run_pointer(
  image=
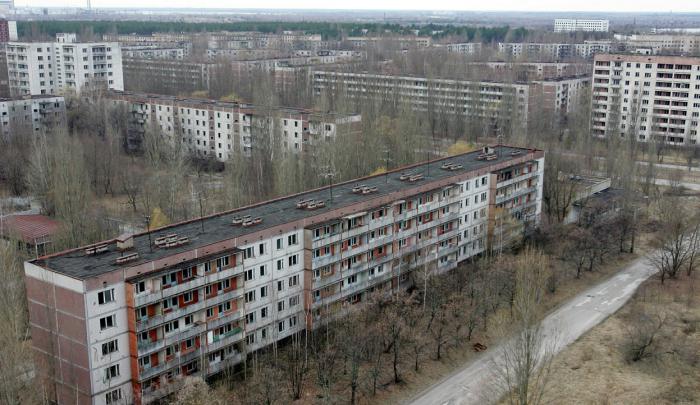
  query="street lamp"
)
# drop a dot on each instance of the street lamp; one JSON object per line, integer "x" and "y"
{"x": 329, "y": 173}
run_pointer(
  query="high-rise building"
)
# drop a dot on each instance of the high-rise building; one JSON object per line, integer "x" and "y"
{"x": 63, "y": 66}
{"x": 126, "y": 319}
{"x": 648, "y": 97}
{"x": 586, "y": 25}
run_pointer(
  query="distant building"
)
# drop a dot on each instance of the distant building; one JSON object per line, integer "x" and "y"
{"x": 154, "y": 52}
{"x": 653, "y": 98}
{"x": 63, "y": 66}
{"x": 528, "y": 71}
{"x": 507, "y": 104}
{"x": 467, "y": 48}
{"x": 553, "y": 51}
{"x": 403, "y": 42}
{"x": 31, "y": 233}
{"x": 660, "y": 44}
{"x": 8, "y": 31}
{"x": 594, "y": 197}
{"x": 32, "y": 114}
{"x": 573, "y": 25}
{"x": 216, "y": 129}
{"x": 166, "y": 76}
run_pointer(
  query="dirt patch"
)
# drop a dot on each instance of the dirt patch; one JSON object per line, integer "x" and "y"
{"x": 595, "y": 370}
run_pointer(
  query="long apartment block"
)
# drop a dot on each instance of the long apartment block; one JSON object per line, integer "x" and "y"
{"x": 66, "y": 65}
{"x": 510, "y": 102}
{"x": 650, "y": 97}
{"x": 126, "y": 319}
{"x": 217, "y": 129}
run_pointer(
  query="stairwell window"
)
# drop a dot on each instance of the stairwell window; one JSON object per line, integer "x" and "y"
{"x": 112, "y": 372}
{"x": 107, "y": 322}
{"x": 110, "y": 347}
{"x": 105, "y": 297}
{"x": 113, "y": 397}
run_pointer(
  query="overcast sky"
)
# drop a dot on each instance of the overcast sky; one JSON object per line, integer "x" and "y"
{"x": 495, "y": 5}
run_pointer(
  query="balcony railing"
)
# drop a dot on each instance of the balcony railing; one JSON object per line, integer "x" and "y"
{"x": 181, "y": 312}
{"x": 196, "y": 282}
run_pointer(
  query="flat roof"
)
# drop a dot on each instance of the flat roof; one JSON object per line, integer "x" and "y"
{"x": 75, "y": 263}
{"x": 219, "y": 103}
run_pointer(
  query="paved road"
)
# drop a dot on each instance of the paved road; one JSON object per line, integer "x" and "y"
{"x": 473, "y": 384}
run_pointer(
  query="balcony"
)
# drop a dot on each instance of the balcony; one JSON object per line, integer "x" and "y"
{"x": 230, "y": 360}
{"x": 178, "y": 360}
{"x": 196, "y": 282}
{"x": 506, "y": 183}
{"x": 224, "y": 340}
{"x": 520, "y": 192}
{"x": 176, "y": 313}
{"x": 149, "y": 347}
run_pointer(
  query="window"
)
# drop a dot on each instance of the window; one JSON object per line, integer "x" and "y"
{"x": 261, "y": 249}
{"x": 280, "y": 264}
{"x": 249, "y": 275}
{"x": 280, "y": 326}
{"x": 113, "y": 397}
{"x": 263, "y": 313}
{"x": 111, "y": 372}
{"x": 187, "y": 297}
{"x": 280, "y": 306}
{"x": 110, "y": 347}
{"x": 250, "y": 318}
{"x": 280, "y": 285}
{"x": 292, "y": 239}
{"x": 292, "y": 260}
{"x": 107, "y": 322}
{"x": 140, "y": 287}
{"x": 294, "y": 301}
{"x": 279, "y": 243}
{"x": 189, "y": 319}
{"x": 250, "y": 296}
{"x": 105, "y": 297}
{"x": 262, "y": 271}
{"x": 294, "y": 280}
{"x": 293, "y": 321}
{"x": 172, "y": 326}
{"x": 263, "y": 292}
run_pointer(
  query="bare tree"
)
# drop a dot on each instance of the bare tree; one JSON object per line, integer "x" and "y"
{"x": 523, "y": 367}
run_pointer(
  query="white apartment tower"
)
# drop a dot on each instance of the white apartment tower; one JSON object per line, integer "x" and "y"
{"x": 66, "y": 65}
{"x": 648, "y": 97}
{"x": 573, "y": 25}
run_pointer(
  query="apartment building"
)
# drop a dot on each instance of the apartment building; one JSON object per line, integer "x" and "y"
{"x": 63, "y": 66}
{"x": 553, "y": 51}
{"x": 167, "y": 76}
{"x": 218, "y": 129}
{"x": 126, "y": 319}
{"x": 508, "y": 102}
{"x": 467, "y": 48}
{"x": 403, "y": 42}
{"x": 8, "y": 30}
{"x": 649, "y": 97}
{"x": 32, "y": 114}
{"x": 154, "y": 52}
{"x": 586, "y": 25}
{"x": 661, "y": 44}
{"x": 527, "y": 71}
